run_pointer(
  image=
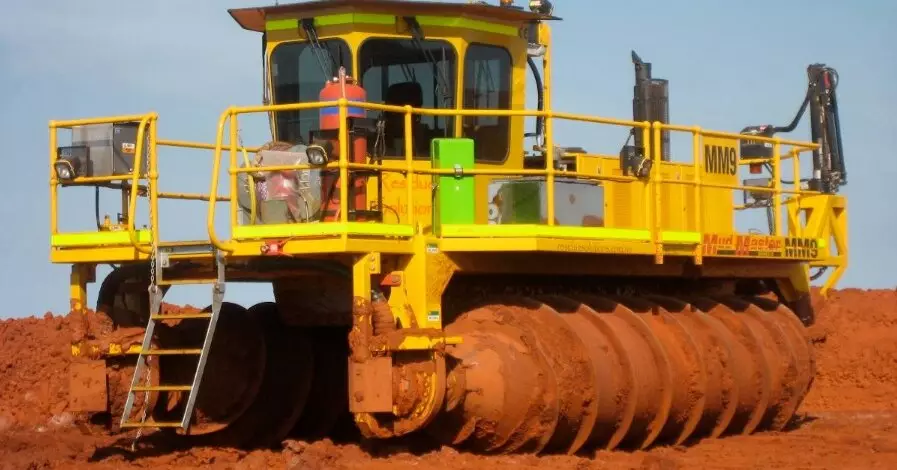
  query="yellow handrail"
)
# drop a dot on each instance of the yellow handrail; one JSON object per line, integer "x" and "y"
{"x": 152, "y": 182}
{"x": 233, "y": 164}
{"x": 65, "y": 124}
{"x": 134, "y": 176}
{"x": 548, "y": 123}
{"x": 409, "y": 166}
{"x": 344, "y": 165}
{"x": 775, "y": 160}
{"x": 777, "y": 187}
{"x": 656, "y": 179}
{"x": 147, "y": 123}
{"x": 696, "y": 165}
{"x": 135, "y": 180}
{"x": 652, "y": 134}
{"x": 216, "y": 168}
{"x": 54, "y": 182}
{"x": 739, "y": 137}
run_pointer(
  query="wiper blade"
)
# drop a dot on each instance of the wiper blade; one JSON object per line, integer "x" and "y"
{"x": 417, "y": 36}
{"x": 322, "y": 54}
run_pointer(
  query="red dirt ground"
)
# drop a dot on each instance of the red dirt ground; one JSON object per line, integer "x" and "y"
{"x": 849, "y": 419}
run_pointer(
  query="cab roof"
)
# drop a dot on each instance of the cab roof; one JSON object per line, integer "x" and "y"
{"x": 253, "y": 18}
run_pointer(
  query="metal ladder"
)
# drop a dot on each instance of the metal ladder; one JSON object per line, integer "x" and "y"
{"x": 155, "y": 294}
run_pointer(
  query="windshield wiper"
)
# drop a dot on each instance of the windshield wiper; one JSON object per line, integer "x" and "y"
{"x": 322, "y": 54}
{"x": 417, "y": 37}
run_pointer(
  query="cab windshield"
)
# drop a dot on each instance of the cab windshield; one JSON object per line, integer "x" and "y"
{"x": 419, "y": 73}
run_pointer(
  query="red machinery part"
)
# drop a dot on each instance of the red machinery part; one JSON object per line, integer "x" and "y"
{"x": 273, "y": 248}
{"x": 343, "y": 86}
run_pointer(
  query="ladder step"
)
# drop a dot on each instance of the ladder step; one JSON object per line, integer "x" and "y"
{"x": 150, "y": 424}
{"x": 155, "y": 314}
{"x": 184, "y": 282}
{"x": 188, "y": 256}
{"x": 189, "y": 249}
{"x": 163, "y": 388}
{"x": 172, "y": 352}
{"x": 181, "y": 316}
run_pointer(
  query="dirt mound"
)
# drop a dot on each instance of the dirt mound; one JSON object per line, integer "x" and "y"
{"x": 856, "y": 351}
{"x": 35, "y": 354}
{"x": 847, "y": 420}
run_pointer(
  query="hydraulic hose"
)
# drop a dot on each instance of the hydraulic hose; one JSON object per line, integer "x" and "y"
{"x": 540, "y": 93}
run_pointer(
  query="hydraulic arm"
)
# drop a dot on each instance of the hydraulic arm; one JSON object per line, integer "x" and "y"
{"x": 829, "y": 170}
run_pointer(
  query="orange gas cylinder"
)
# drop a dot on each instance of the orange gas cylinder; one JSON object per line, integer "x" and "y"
{"x": 344, "y": 86}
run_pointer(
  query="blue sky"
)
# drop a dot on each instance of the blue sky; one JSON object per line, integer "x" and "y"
{"x": 730, "y": 64}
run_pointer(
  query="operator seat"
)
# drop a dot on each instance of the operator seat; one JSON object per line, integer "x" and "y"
{"x": 404, "y": 94}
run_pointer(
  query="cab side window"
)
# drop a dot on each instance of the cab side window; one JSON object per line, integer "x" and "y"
{"x": 487, "y": 85}
{"x": 402, "y": 72}
{"x": 298, "y": 76}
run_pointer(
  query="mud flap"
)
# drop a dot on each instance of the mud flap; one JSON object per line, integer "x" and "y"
{"x": 87, "y": 386}
{"x": 370, "y": 385}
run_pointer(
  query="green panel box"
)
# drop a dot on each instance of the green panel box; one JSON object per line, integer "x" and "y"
{"x": 455, "y": 198}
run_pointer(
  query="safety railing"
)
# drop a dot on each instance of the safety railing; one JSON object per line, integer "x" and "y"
{"x": 652, "y": 133}
{"x": 145, "y": 169}
{"x": 186, "y": 144}
{"x": 777, "y": 190}
{"x": 343, "y": 165}
{"x": 145, "y": 120}
{"x": 147, "y": 155}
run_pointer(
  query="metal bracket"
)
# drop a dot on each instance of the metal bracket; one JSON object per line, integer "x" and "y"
{"x": 416, "y": 31}
{"x": 155, "y": 295}
{"x": 308, "y": 26}
{"x": 634, "y": 163}
{"x": 219, "y": 288}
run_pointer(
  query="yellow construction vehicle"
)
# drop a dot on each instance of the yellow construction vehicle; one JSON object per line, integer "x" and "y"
{"x": 441, "y": 264}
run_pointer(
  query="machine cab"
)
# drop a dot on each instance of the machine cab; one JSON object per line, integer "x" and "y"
{"x": 434, "y": 56}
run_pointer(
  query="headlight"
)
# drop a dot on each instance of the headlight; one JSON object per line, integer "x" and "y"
{"x": 68, "y": 164}
{"x": 317, "y": 155}
{"x": 64, "y": 170}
